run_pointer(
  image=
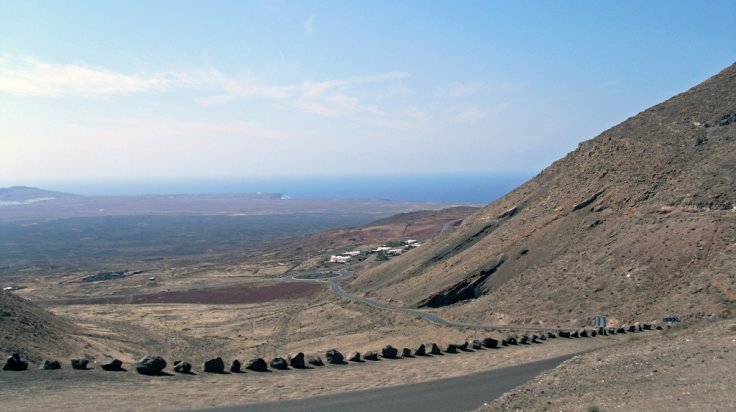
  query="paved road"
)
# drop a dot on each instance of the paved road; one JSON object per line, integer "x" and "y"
{"x": 336, "y": 288}
{"x": 462, "y": 393}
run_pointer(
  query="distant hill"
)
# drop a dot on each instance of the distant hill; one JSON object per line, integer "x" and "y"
{"x": 24, "y": 194}
{"x": 637, "y": 223}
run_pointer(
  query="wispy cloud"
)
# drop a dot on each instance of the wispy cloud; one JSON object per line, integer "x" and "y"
{"x": 474, "y": 114}
{"x": 32, "y": 77}
{"x": 462, "y": 89}
{"x": 309, "y": 24}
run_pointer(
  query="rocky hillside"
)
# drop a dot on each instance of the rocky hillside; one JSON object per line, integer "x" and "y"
{"x": 637, "y": 223}
{"x": 34, "y": 332}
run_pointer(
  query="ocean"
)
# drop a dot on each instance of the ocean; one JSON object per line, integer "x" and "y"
{"x": 464, "y": 188}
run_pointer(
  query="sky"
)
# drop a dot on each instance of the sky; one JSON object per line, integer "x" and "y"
{"x": 160, "y": 89}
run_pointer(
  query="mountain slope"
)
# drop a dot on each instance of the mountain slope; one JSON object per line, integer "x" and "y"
{"x": 635, "y": 223}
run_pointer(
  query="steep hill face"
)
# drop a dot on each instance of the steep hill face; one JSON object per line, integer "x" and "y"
{"x": 637, "y": 223}
{"x": 34, "y": 332}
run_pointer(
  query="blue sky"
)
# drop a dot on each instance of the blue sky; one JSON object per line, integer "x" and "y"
{"x": 158, "y": 89}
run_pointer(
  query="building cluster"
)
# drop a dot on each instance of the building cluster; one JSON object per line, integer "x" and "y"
{"x": 393, "y": 250}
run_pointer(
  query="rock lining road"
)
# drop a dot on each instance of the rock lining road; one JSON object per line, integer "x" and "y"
{"x": 462, "y": 393}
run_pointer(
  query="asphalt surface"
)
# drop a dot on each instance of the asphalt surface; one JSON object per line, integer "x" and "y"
{"x": 463, "y": 393}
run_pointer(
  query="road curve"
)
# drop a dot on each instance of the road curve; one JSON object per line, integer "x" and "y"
{"x": 336, "y": 288}
{"x": 461, "y": 393}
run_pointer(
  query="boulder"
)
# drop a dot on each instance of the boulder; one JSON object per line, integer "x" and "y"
{"x": 315, "y": 361}
{"x": 371, "y": 356}
{"x": 215, "y": 365}
{"x": 524, "y": 340}
{"x": 504, "y": 342}
{"x": 421, "y": 350}
{"x": 602, "y": 331}
{"x": 451, "y": 348}
{"x": 235, "y": 366}
{"x": 406, "y": 353}
{"x": 583, "y": 333}
{"x": 646, "y": 326}
{"x": 593, "y": 333}
{"x": 296, "y": 360}
{"x": 574, "y": 334}
{"x": 542, "y": 337}
{"x": 389, "y": 352}
{"x": 111, "y": 365}
{"x": 182, "y": 367}
{"x": 658, "y": 327}
{"x": 551, "y": 335}
{"x": 611, "y": 331}
{"x": 621, "y": 330}
{"x": 150, "y": 365}
{"x": 334, "y": 357}
{"x": 279, "y": 363}
{"x": 256, "y": 365}
{"x": 535, "y": 339}
{"x": 639, "y": 328}
{"x": 490, "y": 343}
{"x": 476, "y": 344}
{"x": 15, "y": 363}
{"x": 512, "y": 340}
{"x": 80, "y": 363}
{"x": 433, "y": 349}
{"x": 462, "y": 346}
{"x": 564, "y": 334}
{"x": 631, "y": 328}
{"x": 50, "y": 364}
{"x": 354, "y": 357}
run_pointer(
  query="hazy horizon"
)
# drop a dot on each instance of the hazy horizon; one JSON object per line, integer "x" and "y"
{"x": 136, "y": 89}
{"x": 466, "y": 188}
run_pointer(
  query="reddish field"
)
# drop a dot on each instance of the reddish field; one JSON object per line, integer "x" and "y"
{"x": 231, "y": 295}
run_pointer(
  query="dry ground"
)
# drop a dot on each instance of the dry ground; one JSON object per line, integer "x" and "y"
{"x": 94, "y": 389}
{"x": 690, "y": 369}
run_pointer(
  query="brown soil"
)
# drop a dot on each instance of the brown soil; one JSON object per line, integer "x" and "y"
{"x": 636, "y": 224}
{"x": 686, "y": 370}
{"x": 253, "y": 292}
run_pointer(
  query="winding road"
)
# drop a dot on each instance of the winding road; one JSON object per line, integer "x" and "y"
{"x": 335, "y": 283}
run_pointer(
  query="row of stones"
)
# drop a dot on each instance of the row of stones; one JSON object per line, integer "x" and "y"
{"x": 155, "y": 365}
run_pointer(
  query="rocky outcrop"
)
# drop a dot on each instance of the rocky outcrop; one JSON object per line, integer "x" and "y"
{"x": 80, "y": 363}
{"x": 235, "y": 366}
{"x": 256, "y": 365}
{"x": 151, "y": 365}
{"x": 334, "y": 357}
{"x": 279, "y": 363}
{"x": 214, "y": 365}
{"x": 470, "y": 288}
{"x": 15, "y": 363}
{"x": 182, "y": 367}
{"x": 296, "y": 360}
{"x": 389, "y": 352}
{"x": 371, "y": 356}
{"x": 111, "y": 365}
{"x": 50, "y": 364}
{"x": 316, "y": 361}
{"x": 421, "y": 350}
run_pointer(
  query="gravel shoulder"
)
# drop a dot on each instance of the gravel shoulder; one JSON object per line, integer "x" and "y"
{"x": 689, "y": 369}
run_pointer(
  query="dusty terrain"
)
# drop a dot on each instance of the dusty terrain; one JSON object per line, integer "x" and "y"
{"x": 637, "y": 224}
{"x": 689, "y": 369}
{"x": 68, "y": 389}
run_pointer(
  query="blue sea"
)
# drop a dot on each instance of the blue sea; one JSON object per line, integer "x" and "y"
{"x": 465, "y": 188}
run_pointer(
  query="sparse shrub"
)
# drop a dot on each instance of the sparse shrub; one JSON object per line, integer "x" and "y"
{"x": 593, "y": 408}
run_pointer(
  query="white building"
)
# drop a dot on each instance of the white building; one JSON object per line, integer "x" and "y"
{"x": 353, "y": 253}
{"x": 340, "y": 259}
